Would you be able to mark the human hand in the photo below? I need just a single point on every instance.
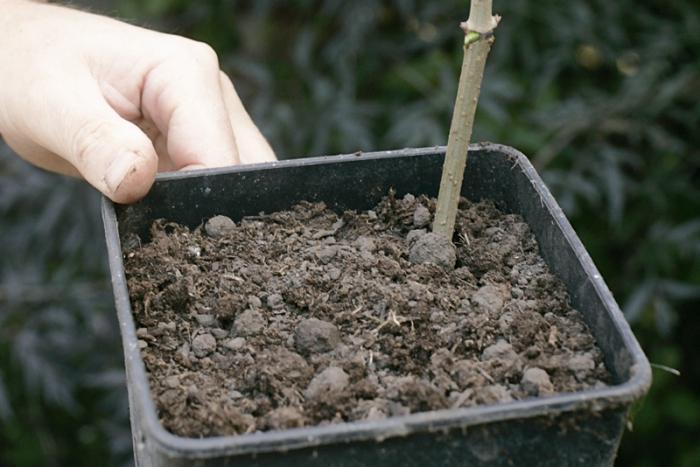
(90, 96)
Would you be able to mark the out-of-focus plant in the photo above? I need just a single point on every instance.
(62, 397)
(603, 96)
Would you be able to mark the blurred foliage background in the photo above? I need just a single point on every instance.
(602, 96)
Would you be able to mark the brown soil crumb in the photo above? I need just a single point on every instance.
(307, 317)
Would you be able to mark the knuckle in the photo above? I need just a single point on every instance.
(89, 136)
(189, 56)
(226, 79)
(204, 53)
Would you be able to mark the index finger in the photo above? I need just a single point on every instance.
(182, 95)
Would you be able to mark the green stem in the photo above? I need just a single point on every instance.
(476, 49)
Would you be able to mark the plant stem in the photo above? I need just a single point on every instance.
(478, 38)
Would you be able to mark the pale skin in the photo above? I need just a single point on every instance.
(92, 97)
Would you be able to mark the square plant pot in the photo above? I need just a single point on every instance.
(581, 428)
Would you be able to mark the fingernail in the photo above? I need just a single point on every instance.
(119, 169)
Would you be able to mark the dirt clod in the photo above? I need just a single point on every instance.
(489, 299)
(435, 249)
(249, 323)
(330, 379)
(206, 320)
(315, 336)
(414, 235)
(234, 344)
(536, 382)
(203, 345)
(309, 316)
(283, 418)
(219, 226)
(500, 349)
(275, 301)
(581, 363)
(421, 216)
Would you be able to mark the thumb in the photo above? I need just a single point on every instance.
(111, 153)
(114, 156)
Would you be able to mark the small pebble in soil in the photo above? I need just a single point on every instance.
(434, 248)
(203, 345)
(219, 226)
(249, 323)
(536, 382)
(315, 336)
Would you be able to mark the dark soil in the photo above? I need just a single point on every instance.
(305, 317)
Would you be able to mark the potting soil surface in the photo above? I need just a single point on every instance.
(306, 317)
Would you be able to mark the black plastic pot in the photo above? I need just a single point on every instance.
(582, 429)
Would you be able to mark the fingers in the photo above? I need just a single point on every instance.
(76, 123)
(182, 108)
(159, 144)
(252, 145)
(183, 97)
